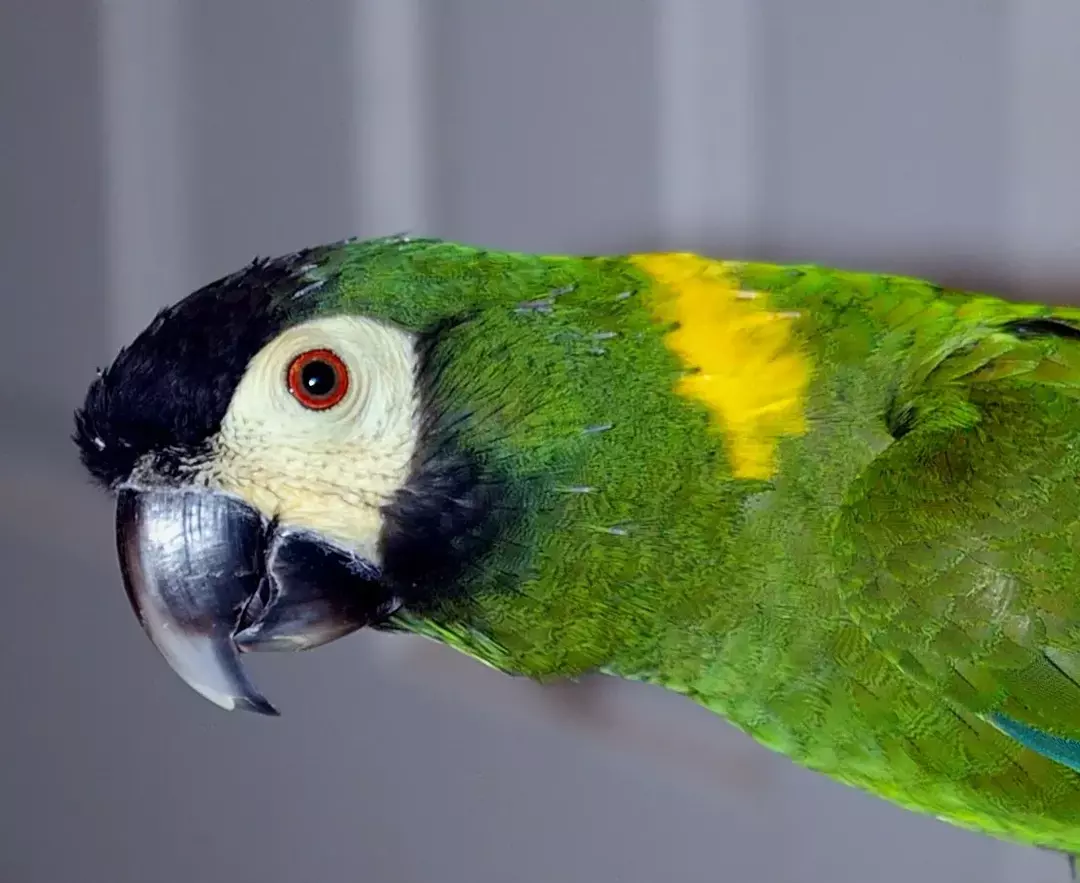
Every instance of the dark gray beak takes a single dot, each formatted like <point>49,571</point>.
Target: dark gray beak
<point>209,578</point>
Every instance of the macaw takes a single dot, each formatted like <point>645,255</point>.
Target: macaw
<point>839,509</point>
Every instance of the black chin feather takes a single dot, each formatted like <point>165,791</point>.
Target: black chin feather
<point>456,505</point>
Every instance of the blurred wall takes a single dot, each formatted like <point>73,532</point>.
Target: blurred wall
<point>149,148</point>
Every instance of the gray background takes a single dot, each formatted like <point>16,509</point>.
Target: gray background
<point>150,146</point>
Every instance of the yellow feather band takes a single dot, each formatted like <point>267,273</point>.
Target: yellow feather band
<point>747,368</point>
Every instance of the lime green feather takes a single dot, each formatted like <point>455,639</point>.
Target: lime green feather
<point>897,606</point>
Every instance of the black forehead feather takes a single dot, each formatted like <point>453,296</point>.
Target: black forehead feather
<point>170,388</point>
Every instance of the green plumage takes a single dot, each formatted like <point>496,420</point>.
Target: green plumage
<point>897,606</point>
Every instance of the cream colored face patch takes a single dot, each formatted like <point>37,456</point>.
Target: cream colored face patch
<point>327,470</point>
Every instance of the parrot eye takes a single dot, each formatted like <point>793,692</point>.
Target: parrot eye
<point>318,379</point>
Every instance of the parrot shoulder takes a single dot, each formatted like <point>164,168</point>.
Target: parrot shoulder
<point>959,542</point>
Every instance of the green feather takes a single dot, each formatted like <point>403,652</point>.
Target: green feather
<point>897,606</point>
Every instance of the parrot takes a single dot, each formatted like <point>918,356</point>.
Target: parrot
<point>839,509</point>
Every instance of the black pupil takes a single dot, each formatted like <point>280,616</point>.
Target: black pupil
<point>318,378</point>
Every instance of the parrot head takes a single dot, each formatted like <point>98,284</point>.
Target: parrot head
<point>284,470</point>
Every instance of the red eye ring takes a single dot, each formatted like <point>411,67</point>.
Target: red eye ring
<point>318,379</point>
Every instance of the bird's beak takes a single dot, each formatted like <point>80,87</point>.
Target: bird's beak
<point>209,578</point>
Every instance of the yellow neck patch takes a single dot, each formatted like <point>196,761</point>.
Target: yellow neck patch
<point>746,366</point>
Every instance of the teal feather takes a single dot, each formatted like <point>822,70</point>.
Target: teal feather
<point>1064,751</point>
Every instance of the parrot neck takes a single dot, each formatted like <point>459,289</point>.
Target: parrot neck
<point>596,543</point>
<point>616,528</point>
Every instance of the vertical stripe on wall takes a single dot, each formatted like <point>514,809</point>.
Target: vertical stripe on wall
<point>1043,184</point>
<point>544,123</point>
<point>143,58</point>
<point>390,174</point>
<point>271,98</point>
<point>706,124</point>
